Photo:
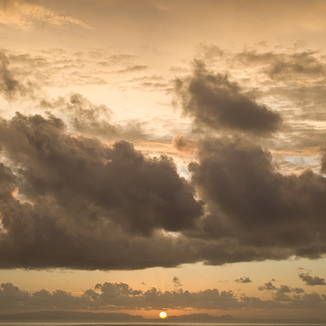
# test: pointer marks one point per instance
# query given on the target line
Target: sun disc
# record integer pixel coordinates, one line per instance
(163, 314)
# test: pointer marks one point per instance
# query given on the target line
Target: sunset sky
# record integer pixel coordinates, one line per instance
(163, 155)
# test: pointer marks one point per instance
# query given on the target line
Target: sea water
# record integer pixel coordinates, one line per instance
(166, 323)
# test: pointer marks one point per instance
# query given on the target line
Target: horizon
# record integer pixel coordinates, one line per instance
(163, 155)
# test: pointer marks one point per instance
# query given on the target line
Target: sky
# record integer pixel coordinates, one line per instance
(163, 155)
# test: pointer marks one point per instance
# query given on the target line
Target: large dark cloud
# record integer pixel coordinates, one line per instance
(72, 201)
(249, 201)
(83, 204)
(216, 102)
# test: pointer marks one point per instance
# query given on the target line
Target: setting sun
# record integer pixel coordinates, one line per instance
(163, 314)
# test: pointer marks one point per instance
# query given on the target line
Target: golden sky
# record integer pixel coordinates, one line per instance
(163, 155)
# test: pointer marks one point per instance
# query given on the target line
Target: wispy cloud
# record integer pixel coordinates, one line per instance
(24, 14)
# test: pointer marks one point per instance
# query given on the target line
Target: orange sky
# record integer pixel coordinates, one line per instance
(231, 93)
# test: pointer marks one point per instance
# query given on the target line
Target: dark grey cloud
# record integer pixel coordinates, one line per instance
(72, 201)
(216, 102)
(116, 296)
(312, 280)
(255, 207)
(244, 279)
(82, 204)
(298, 290)
(176, 281)
(281, 294)
(112, 296)
(267, 287)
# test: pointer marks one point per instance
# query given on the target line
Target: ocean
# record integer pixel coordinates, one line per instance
(166, 323)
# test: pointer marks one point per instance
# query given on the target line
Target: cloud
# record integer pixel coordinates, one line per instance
(25, 13)
(267, 287)
(216, 102)
(281, 294)
(323, 162)
(253, 206)
(117, 296)
(244, 279)
(176, 281)
(72, 201)
(183, 144)
(10, 87)
(120, 296)
(84, 117)
(281, 66)
(134, 68)
(311, 280)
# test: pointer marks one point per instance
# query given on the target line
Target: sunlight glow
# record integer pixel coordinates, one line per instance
(163, 314)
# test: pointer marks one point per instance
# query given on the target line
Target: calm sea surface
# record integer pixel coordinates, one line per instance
(233, 323)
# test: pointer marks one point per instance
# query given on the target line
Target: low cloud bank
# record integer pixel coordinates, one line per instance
(120, 296)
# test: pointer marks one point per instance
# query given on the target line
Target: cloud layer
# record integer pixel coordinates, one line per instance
(72, 201)
(25, 13)
(120, 296)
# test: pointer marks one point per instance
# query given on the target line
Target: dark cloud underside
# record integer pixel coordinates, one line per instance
(250, 201)
(216, 102)
(79, 198)
(312, 280)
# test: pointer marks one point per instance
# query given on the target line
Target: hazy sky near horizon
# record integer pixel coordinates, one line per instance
(163, 155)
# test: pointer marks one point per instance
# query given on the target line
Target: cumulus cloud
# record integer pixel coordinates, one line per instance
(65, 196)
(113, 296)
(216, 102)
(244, 279)
(281, 294)
(267, 287)
(249, 201)
(311, 280)
(25, 13)
(73, 201)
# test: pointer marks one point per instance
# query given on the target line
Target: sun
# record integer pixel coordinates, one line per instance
(163, 314)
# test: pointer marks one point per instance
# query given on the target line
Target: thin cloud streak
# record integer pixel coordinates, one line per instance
(24, 14)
